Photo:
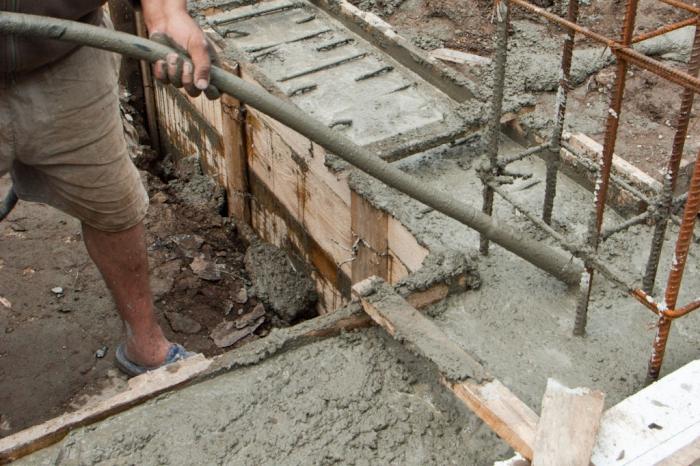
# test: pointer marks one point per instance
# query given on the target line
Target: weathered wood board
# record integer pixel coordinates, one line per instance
(568, 425)
(489, 399)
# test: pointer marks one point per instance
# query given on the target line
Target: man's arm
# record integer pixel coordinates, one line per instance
(170, 18)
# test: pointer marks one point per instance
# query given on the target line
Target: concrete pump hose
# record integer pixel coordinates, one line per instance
(547, 258)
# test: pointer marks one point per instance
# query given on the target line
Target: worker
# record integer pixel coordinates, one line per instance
(62, 140)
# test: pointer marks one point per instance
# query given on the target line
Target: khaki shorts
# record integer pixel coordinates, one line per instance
(62, 140)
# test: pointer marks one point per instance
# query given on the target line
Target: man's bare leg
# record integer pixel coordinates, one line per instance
(121, 258)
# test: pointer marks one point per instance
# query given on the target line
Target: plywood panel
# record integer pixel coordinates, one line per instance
(405, 246)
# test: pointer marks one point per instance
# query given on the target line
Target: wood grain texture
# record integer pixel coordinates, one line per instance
(236, 161)
(140, 389)
(506, 415)
(655, 424)
(489, 399)
(370, 230)
(568, 425)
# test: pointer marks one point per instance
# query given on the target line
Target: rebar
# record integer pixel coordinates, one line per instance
(623, 51)
(553, 158)
(675, 276)
(682, 5)
(664, 30)
(630, 222)
(493, 130)
(549, 259)
(672, 168)
(507, 160)
(614, 178)
(602, 182)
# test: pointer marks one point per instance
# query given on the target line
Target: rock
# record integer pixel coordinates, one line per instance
(241, 296)
(163, 278)
(188, 245)
(159, 198)
(247, 319)
(205, 269)
(57, 290)
(4, 423)
(101, 353)
(226, 334)
(5, 302)
(284, 287)
(18, 227)
(182, 324)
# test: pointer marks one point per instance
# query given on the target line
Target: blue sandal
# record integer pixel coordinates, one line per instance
(175, 353)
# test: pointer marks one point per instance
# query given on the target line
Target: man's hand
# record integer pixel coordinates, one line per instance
(169, 22)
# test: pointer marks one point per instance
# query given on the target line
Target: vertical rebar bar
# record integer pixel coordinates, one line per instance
(553, 157)
(671, 175)
(675, 276)
(501, 13)
(603, 178)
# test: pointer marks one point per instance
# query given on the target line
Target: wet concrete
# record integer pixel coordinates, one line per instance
(519, 322)
(355, 399)
(323, 68)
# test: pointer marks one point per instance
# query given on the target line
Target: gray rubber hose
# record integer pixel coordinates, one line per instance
(552, 260)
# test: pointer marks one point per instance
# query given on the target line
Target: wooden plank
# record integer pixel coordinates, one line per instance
(192, 370)
(568, 425)
(497, 406)
(688, 455)
(654, 424)
(140, 389)
(405, 246)
(506, 415)
(369, 230)
(236, 160)
(517, 460)
(458, 57)
(397, 269)
(594, 150)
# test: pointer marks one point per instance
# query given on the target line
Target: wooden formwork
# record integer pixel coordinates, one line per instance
(280, 183)
(277, 180)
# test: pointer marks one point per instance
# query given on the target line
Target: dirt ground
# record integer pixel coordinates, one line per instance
(649, 113)
(50, 338)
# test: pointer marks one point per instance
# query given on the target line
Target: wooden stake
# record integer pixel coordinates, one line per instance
(568, 425)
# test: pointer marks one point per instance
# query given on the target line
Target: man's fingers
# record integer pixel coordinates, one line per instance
(175, 68)
(160, 71)
(188, 79)
(212, 92)
(199, 52)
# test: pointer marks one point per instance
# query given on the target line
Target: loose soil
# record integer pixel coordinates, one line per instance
(649, 113)
(49, 341)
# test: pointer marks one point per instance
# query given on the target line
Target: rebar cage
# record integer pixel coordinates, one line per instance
(661, 207)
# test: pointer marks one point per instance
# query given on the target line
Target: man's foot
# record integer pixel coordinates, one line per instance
(130, 368)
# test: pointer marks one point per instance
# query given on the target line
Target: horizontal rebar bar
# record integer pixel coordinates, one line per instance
(576, 249)
(627, 54)
(590, 165)
(549, 259)
(682, 5)
(636, 220)
(664, 29)
(507, 160)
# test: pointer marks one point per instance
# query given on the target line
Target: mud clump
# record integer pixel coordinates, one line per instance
(283, 284)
